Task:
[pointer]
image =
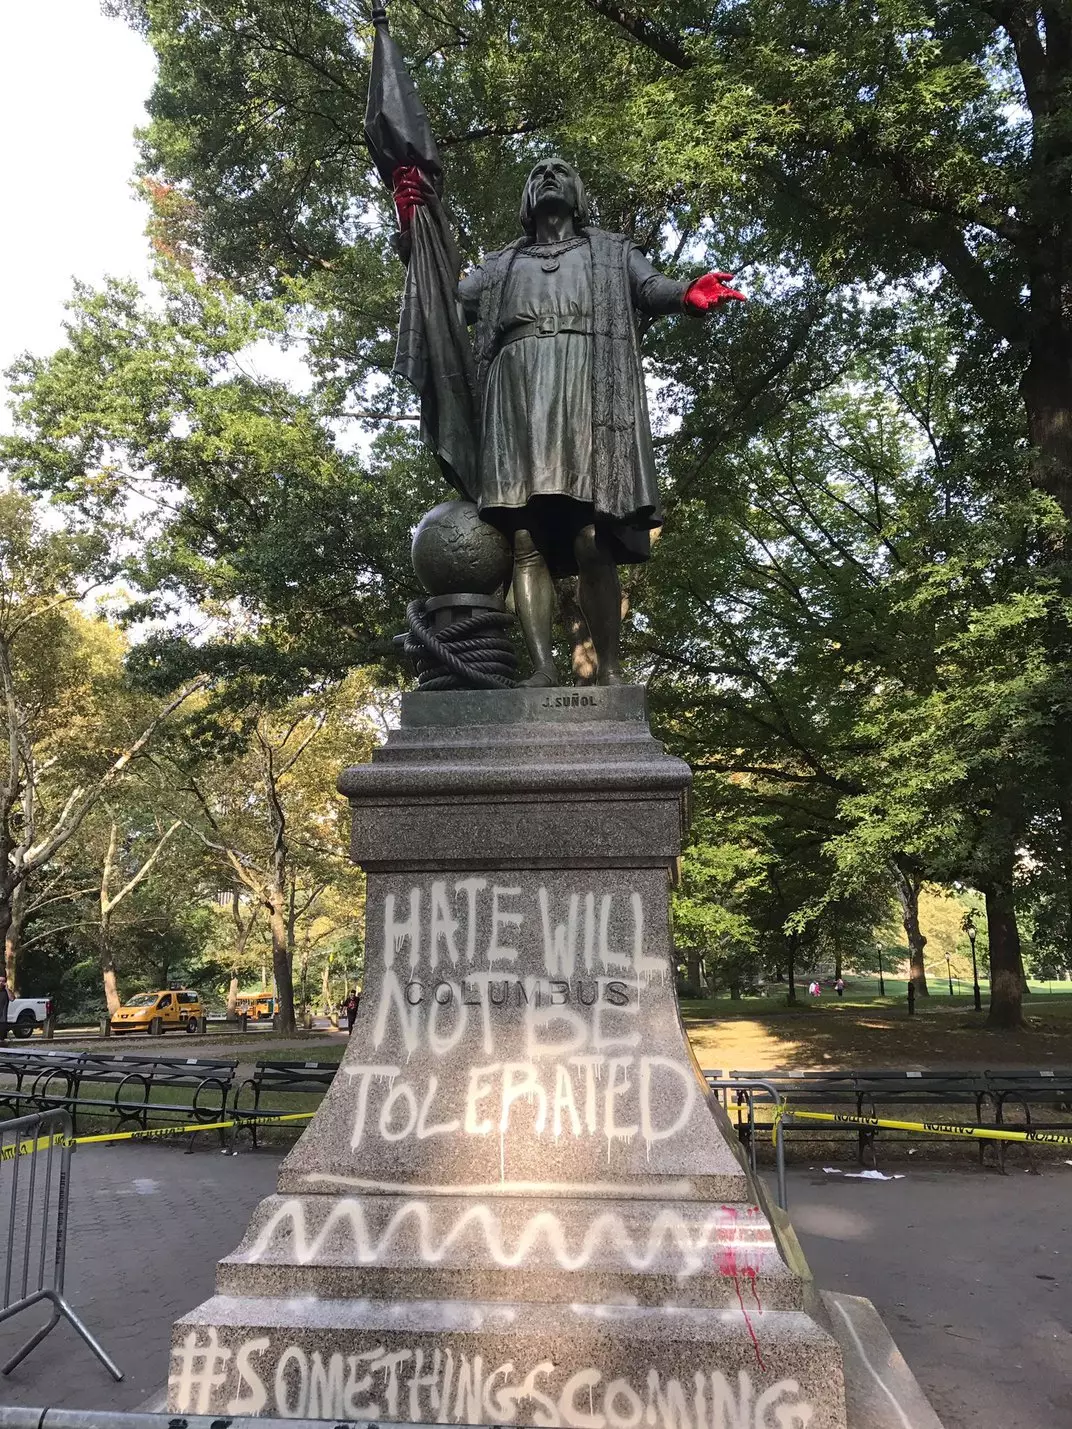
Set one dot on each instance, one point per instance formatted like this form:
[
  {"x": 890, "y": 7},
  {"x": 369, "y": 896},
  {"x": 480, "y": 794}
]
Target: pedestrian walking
[
  {"x": 5, "y": 999},
  {"x": 839, "y": 987},
  {"x": 352, "y": 1003}
]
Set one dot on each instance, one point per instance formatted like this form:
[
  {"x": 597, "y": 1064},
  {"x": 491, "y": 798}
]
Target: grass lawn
[{"x": 863, "y": 1029}]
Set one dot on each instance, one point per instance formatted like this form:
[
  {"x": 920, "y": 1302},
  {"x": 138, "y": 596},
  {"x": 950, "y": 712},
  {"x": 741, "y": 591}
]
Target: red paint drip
[
  {"x": 748, "y": 1324},
  {"x": 727, "y": 1265}
]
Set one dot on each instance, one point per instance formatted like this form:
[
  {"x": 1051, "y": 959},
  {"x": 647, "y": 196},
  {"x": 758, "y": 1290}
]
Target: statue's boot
[
  {"x": 599, "y": 594},
  {"x": 534, "y": 601}
]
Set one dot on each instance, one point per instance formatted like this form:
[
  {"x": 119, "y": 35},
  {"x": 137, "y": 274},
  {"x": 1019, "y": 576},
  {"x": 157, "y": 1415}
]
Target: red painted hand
[
  {"x": 708, "y": 291},
  {"x": 408, "y": 194}
]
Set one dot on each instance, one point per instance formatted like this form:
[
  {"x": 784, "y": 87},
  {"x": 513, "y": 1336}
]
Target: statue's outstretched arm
[
  {"x": 659, "y": 296},
  {"x": 654, "y": 294}
]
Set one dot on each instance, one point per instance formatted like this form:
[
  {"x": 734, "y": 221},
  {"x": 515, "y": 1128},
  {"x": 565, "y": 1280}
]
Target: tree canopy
[{"x": 855, "y": 624}]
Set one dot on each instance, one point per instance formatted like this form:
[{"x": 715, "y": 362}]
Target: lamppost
[
  {"x": 969, "y": 928},
  {"x": 949, "y": 974}
]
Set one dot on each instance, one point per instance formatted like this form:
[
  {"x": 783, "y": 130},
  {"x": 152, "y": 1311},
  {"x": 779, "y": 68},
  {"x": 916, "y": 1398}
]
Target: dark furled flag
[{"x": 433, "y": 352}]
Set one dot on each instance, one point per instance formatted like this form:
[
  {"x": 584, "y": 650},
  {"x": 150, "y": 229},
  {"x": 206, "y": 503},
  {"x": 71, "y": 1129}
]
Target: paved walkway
[
  {"x": 968, "y": 1269},
  {"x": 148, "y": 1224}
]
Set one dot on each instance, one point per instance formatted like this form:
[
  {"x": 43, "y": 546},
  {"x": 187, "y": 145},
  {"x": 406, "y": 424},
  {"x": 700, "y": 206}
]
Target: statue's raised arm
[{"x": 434, "y": 352}]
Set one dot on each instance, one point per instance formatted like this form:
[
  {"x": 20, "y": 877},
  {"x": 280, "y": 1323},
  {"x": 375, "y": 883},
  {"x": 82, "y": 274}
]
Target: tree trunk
[
  {"x": 292, "y": 918},
  {"x": 325, "y": 987},
  {"x": 284, "y": 984},
  {"x": 5, "y": 926},
  {"x": 107, "y": 965},
  {"x": 108, "y": 904},
  {"x": 108, "y": 972},
  {"x": 692, "y": 971},
  {"x": 18, "y": 913},
  {"x": 242, "y": 932},
  {"x": 791, "y": 964},
  {"x": 111, "y": 989},
  {"x": 1006, "y": 969},
  {"x": 907, "y": 886},
  {"x": 1046, "y": 389}
]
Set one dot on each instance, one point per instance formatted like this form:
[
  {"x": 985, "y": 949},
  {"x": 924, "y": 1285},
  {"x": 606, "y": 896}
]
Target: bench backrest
[
  {"x": 110, "y": 1068},
  {"x": 310, "y": 1077},
  {"x": 1045, "y": 1081}
]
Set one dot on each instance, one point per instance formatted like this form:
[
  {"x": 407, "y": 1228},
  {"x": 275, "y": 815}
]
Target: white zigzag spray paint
[{"x": 693, "y": 1243}]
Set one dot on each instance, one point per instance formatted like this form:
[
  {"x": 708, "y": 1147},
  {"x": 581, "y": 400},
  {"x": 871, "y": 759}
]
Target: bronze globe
[{"x": 455, "y": 552}]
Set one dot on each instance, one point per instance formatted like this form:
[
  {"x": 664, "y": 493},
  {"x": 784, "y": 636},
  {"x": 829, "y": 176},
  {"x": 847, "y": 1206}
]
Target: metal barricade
[
  {"x": 14, "y": 1416},
  {"x": 747, "y": 1091},
  {"x": 35, "y": 1187}
]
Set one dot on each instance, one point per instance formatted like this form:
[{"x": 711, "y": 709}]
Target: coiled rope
[{"x": 473, "y": 653}]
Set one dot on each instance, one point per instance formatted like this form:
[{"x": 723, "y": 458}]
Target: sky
[{"x": 73, "y": 84}]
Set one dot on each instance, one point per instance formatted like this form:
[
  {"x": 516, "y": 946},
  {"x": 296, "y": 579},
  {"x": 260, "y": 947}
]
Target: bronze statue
[
  {"x": 561, "y": 460},
  {"x": 566, "y": 467}
]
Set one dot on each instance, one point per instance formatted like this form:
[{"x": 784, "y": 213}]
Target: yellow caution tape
[
  {"x": 27, "y": 1148},
  {"x": 926, "y": 1128},
  {"x": 154, "y": 1133}
]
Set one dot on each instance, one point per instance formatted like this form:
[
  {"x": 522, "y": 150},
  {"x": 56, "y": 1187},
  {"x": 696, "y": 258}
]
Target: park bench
[
  {"x": 897, "y": 1094},
  {"x": 133, "y": 1090},
  {"x": 1024, "y": 1088},
  {"x": 869, "y": 1092},
  {"x": 127, "y": 1090},
  {"x": 799, "y": 1088},
  {"x": 37, "y": 1081},
  {"x": 253, "y": 1098}
]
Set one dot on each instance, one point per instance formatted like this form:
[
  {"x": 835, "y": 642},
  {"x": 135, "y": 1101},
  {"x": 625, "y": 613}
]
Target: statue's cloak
[{"x": 624, "y": 491}]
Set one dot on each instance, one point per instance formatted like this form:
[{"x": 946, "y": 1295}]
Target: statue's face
[{"x": 554, "y": 182}]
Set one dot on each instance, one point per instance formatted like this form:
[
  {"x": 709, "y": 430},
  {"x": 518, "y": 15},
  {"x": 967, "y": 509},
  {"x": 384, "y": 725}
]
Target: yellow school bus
[{"x": 257, "y": 1006}]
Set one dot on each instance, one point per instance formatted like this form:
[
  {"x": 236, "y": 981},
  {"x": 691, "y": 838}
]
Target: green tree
[
  {"x": 254, "y": 783},
  {"x": 876, "y": 631},
  {"x": 868, "y": 145},
  {"x": 845, "y": 609},
  {"x": 248, "y": 511},
  {"x": 73, "y": 729}
]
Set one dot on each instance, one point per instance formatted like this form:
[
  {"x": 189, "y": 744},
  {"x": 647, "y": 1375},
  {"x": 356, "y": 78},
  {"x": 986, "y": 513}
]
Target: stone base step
[
  {"x": 470, "y": 1362},
  {"x": 512, "y": 1248}
]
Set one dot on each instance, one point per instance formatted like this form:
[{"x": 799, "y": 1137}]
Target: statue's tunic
[{"x": 565, "y": 436}]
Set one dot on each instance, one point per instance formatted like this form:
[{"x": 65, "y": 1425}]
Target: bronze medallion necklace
[{"x": 550, "y": 253}]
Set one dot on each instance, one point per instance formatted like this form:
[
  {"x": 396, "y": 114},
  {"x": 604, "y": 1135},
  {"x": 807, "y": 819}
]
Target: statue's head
[{"x": 553, "y": 181}]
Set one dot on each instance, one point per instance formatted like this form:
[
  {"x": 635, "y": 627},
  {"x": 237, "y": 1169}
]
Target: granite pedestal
[{"x": 518, "y": 1203}]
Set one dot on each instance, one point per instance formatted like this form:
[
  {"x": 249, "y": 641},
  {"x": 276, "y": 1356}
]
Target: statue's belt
[{"x": 547, "y": 326}]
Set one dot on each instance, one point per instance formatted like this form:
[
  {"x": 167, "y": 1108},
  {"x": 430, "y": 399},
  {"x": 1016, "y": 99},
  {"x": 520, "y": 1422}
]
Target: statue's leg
[
  {"x": 534, "y": 601},
  {"x": 599, "y": 594}
]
